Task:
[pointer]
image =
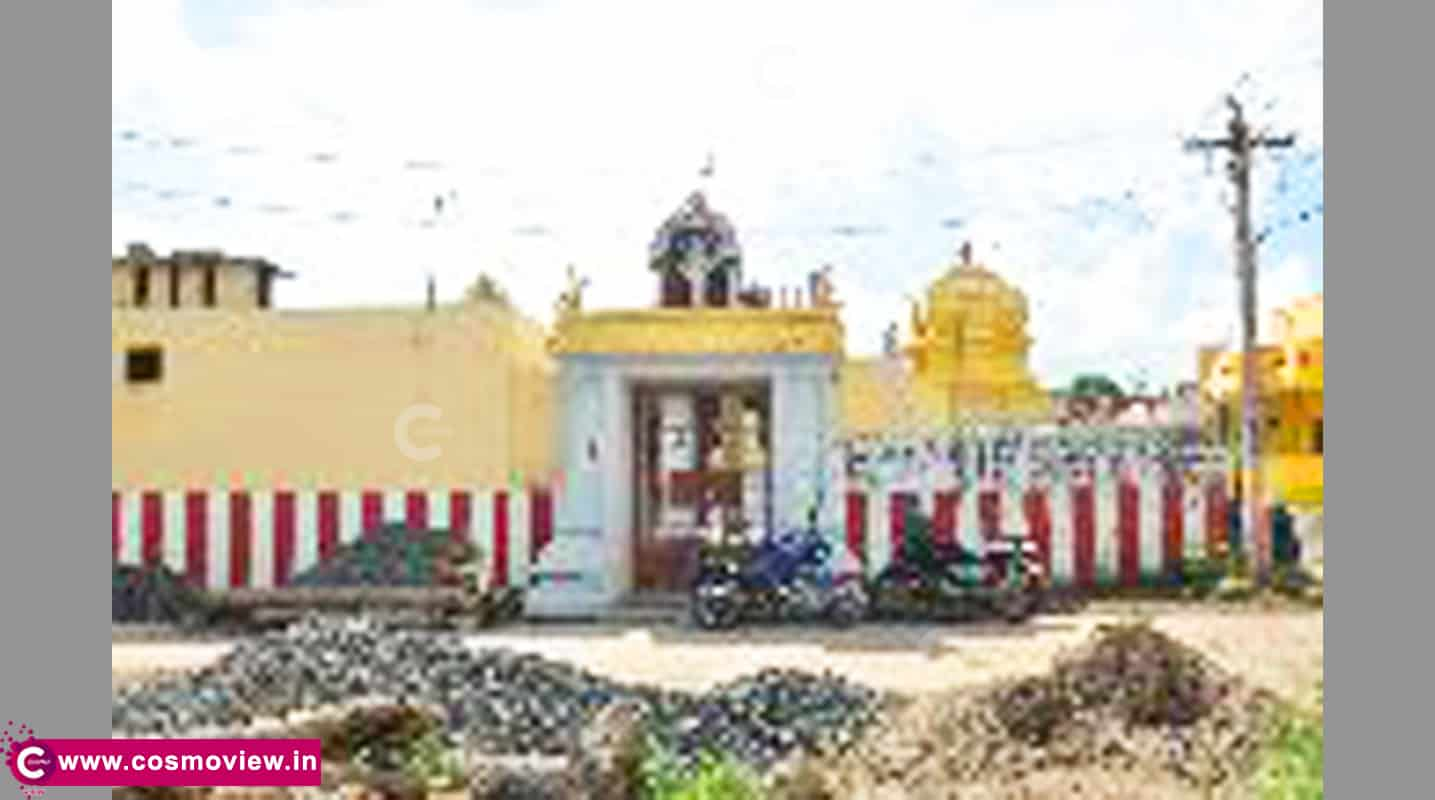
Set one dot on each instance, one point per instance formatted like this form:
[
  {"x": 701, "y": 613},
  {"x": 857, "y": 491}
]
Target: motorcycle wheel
[
  {"x": 716, "y": 605},
  {"x": 847, "y": 609},
  {"x": 891, "y": 597},
  {"x": 1015, "y": 607},
  {"x": 515, "y": 606}
]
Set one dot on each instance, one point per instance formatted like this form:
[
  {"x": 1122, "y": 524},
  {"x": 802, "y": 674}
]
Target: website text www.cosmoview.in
[{"x": 167, "y": 762}]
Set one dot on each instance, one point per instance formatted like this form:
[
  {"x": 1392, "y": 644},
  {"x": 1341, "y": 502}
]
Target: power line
[{"x": 332, "y": 157}]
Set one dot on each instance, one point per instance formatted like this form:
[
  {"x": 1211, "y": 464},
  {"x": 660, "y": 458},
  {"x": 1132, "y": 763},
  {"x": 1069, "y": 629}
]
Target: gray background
[
  {"x": 54, "y": 65},
  {"x": 54, "y": 166}
]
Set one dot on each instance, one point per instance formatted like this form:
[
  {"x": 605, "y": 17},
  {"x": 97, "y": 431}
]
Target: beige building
[{"x": 212, "y": 385}]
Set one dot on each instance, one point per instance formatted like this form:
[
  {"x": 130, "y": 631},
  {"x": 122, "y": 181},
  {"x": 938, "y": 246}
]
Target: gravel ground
[{"x": 1277, "y": 649}]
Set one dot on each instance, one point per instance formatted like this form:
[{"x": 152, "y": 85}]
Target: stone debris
[
  {"x": 1131, "y": 699},
  {"x": 154, "y": 594},
  {"x": 525, "y": 778},
  {"x": 495, "y": 702},
  {"x": 395, "y": 555},
  {"x": 1131, "y": 704}
]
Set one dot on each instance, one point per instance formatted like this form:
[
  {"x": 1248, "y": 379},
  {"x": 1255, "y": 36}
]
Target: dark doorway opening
[{"x": 702, "y": 461}]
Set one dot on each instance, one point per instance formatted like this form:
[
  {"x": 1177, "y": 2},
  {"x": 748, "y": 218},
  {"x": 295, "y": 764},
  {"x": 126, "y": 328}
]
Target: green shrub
[
  {"x": 1294, "y": 765},
  {"x": 714, "y": 777},
  {"x": 1202, "y": 575},
  {"x": 434, "y": 763}
]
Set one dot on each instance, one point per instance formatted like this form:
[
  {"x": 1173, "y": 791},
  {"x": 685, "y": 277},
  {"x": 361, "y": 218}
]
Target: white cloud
[{"x": 592, "y": 123}]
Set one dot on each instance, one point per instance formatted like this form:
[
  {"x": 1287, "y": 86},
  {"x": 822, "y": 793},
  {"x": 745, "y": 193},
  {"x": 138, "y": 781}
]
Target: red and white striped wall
[
  {"x": 1121, "y": 531},
  {"x": 257, "y": 539},
  {"x": 1125, "y": 531}
]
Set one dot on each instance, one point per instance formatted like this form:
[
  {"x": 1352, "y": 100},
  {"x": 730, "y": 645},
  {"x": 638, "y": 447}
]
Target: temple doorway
[{"x": 702, "y": 462}]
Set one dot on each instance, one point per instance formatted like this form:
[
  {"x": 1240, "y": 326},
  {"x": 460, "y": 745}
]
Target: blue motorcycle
[{"x": 784, "y": 577}]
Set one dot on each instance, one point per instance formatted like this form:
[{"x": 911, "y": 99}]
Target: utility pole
[{"x": 1241, "y": 144}]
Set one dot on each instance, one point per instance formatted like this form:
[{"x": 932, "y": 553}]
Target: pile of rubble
[
  {"x": 1131, "y": 701},
  {"x": 154, "y": 594},
  {"x": 395, "y": 555},
  {"x": 492, "y": 701}
]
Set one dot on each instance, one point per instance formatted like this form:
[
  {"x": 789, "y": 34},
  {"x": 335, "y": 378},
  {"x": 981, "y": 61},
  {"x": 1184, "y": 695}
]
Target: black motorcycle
[{"x": 947, "y": 580}]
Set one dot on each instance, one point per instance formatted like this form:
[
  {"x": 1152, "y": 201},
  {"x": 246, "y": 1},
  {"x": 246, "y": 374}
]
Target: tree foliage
[
  {"x": 1095, "y": 386},
  {"x": 486, "y": 289}
]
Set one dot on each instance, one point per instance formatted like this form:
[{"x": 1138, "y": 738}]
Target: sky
[{"x": 872, "y": 137}]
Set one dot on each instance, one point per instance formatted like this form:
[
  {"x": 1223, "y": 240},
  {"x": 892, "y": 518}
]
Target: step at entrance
[{"x": 650, "y": 608}]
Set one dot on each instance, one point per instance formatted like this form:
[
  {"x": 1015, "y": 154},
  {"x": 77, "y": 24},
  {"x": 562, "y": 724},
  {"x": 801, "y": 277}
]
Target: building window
[
  {"x": 174, "y": 286},
  {"x": 265, "y": 285},
  {"x": 1318, "y": 435},
  {"x": 144, "y": 365},
  {"x": 1223, "y": 424},
  {"x": 141, "y": 287},
  {"x": 210, "y": 290}
]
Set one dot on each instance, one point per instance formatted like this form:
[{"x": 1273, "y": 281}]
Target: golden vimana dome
[
  {"x": 975, "y": 287},
  {"x": 969, "y": 346}
]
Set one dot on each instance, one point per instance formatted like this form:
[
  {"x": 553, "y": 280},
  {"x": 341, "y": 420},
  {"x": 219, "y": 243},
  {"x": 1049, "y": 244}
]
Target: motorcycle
[
  {"x": 785, "y": 576},
  {"x": 944, "y": 580}
]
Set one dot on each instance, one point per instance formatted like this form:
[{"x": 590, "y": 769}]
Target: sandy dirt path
[{"x": 1281, "y": 650}]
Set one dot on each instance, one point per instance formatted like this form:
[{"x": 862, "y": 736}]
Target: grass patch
[
  {"x": 1294, "y": 764},
  {"x": 714, "y": 777}
]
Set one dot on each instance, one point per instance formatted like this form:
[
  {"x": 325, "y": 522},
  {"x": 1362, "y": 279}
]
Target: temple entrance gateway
[
  {"x": 712, "y": 405},
  {"x": 701, "y": 461}
]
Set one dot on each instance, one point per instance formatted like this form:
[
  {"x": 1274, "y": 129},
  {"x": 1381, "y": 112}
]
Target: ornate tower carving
[
  {"x": 696, "y": 256},
  {"x": 969, "y": 347}
]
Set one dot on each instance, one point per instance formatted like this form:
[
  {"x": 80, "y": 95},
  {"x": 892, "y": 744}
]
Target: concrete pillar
[
  {"x": 585, "y": 567},
  {"x": 803, "y": 418}
]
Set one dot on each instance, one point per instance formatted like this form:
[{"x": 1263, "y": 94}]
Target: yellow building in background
[
  {"x": 212, "y": 385},
  {"x": 1292, "y": 396},
  {"x": 966, "y": 360}
]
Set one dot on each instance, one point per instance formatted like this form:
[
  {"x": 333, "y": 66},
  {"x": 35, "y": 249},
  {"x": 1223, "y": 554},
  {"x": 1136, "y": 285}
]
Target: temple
[
  {"x": 594, "y": 454},
  {"x": 965, "y": 361},
  {"x": 675, "y": 418}
]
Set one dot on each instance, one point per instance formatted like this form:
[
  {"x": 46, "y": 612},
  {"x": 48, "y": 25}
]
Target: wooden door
[{"x": 665, "y": 544}]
